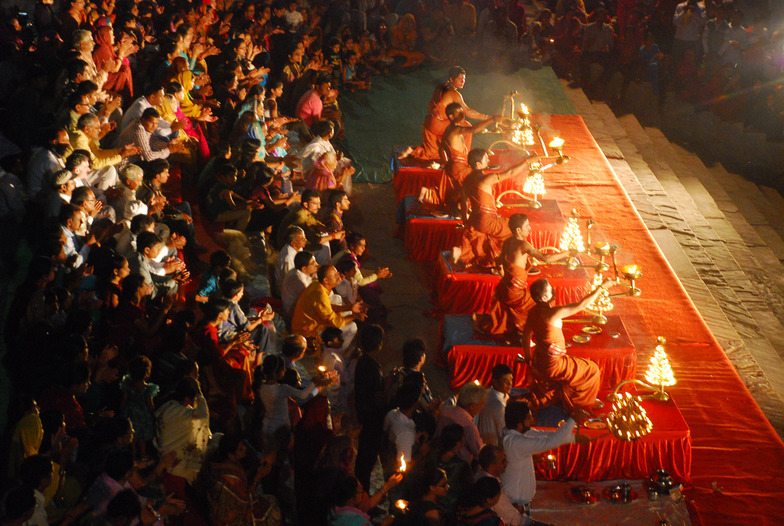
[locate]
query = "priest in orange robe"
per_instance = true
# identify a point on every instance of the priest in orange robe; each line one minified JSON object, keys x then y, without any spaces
{"x":556,"y":376}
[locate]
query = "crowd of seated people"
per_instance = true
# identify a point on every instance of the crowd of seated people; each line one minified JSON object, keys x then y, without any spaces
{"x":157,"y":378}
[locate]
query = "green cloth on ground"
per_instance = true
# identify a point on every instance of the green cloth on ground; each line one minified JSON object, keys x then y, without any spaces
{"x":392,"y":112}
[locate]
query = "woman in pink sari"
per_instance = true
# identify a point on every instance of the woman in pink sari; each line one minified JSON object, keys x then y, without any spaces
{"x":118,"y":69}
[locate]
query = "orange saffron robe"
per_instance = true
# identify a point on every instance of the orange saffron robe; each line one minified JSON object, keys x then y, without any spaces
{"x":554,"y":374}
{"x":486,"y":231}
{"x":511,"y":303}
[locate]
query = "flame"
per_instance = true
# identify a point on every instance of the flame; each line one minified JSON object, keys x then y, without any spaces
{"x":556,"y":143}
{"x":401,"y":504}
{"x":524,"y":108}
{"x":629,"y":269}
{"x":322,"y":368}
{"x":402,"y":463}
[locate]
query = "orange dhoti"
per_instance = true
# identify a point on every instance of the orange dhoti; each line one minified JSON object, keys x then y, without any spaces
{"x":556,"y":376}
{"x":511,"y":303}
{"x":432,"y":131}
{"x":484,"y":236}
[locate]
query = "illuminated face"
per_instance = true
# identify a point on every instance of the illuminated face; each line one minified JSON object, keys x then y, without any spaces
{"x":124,"y":271}
{"x":525,"y":229}
{"x":150,"y":124}
{"x":300,"y":241}
{"x":312,"y":267}
{"x":332,"y":278}
{"x":313,"y":206}
{"x":459,"y":81}
{"x":359,"y":247}
{"x":163,"y":177}
{"x":504,"y":384}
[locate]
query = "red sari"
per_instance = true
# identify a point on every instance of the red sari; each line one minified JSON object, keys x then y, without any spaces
{"x":554,"y":374}
{"x":121,"y":81}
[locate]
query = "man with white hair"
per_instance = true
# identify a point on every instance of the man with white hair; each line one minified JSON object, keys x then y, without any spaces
{"x":125,"y":204}
{"x":470,"y":401}
{"x":103,"y":161}
{"x":295,"y":242}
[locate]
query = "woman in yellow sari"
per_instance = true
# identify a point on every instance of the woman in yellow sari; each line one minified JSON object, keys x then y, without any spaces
{"x":179,"y":72}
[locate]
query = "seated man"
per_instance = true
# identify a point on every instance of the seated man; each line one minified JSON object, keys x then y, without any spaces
{"x":46,"y":161}
{"x":262,"y":337}
{"x":556,"y":376}
{"x":124,"y":201}
{"x":148,"y":147}
{"x":511,"y":300}
{"x":314,"y":313}
{"x":485,"y":230}
{"x":311,"y":105}
{"x":164,"y":281}
{"x":296,"y":241}
{"x":315,"y":231}
{"x":296,"y":281}
{"x":77,"y":248}
{"x":455,"y":145}
{"x":59,"y":195}
{"x":103,"y":162}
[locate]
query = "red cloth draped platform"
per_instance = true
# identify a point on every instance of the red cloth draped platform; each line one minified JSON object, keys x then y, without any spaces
{"x":467,"y":293}
{"x":733,"y":447}
{"x":616,"y":357}
{"x":426,"y":237}
{"x":409,"y":180}
{"x":669,"y":446}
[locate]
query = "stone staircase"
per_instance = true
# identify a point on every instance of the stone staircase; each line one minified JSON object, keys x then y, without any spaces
{"x":723,"y":236}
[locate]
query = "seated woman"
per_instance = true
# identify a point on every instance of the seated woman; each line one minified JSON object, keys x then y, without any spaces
{"x":113,"y":58}
{"x":323,"y":176}
{"x":368,"y":288}
{"x":404,"y":39}
{"x":556,"y":376}
{"x":170,"y":111}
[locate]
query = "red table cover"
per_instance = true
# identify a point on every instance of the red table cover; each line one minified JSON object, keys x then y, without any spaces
{"x":468,"y":293}
{"x":668,"y":446}
{"x":409,"y":180}
{"x":426,"y":237}
{"x":616,"y":357}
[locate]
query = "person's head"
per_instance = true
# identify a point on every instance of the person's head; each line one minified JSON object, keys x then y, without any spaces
{"x":414,"y":353}
{"x":131,"y":176}
{"x":485,"y":493}
{"x":408,"y":396}
{"x":311,"y":201}
{"x":454,"y":112}
{"x":356,"y":243}
{"x":328,"y":276}
{"x":71,"y":217}
{"x":520,"y":226}
{"x":149,"y":119}
{"x":346,"y":267}
{"x":186,"y":391}
{"x":272,"y":368}
{"x":324,"y":129}
{"x":451,"y":438}
{"x":457,"y":76}
{"x":154,"y":94}
{"x":142,"y":223}
{"x":216,"y":308}
{"x":140,"y":368}
{"x":305,"y":262}
{"x":371,"y":338}
{"x":502,"y":378}
{"x":323,"y":85}
{"x":432,"y":480}
{"x":148,"y":244}
{"x":57,"y":140}
{"x":232,"y":446}
{"x":219,"y":260}
{"x":90,"y":125}
{"x":294,"y":347}
{"x":78,"y":163}
{"x":157,"y":171}
{"x":118,"y":266}
{"x":332,"y":337}
{"x":492,"y":459}
{"x":19,"y":504}
{"x":347,"y":491}
{"x":124,"y":508}
{"x":120,"y":431}
{"x":478,"y":159}
{"x":338,"y":200}
{"x":83,"y":41}
{"x":119,"y":464}
{"x":471,"y":397}
{"x":134,"y":288}
{"x":518,"y":416}
{"x":84,"y":198}
{"x":541,"y":291}
{"x":76,"y":69}
{"x":296,"y":237}
{"x":232,"y":289}
{"x":36,"y":472}
{"x":63,"y":182}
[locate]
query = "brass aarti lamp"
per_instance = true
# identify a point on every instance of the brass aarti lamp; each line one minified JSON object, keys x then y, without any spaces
{"x":627,"y":419}
{"x":603,"y":303}
{"x":659,"y":375}
{"x":632,"y":273}
{"x":602,"y":250}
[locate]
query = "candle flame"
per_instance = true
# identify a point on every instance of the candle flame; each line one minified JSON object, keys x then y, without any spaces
{"x":402,"y":463}
{"x":556,"y":143}
{"x":629,"y":269}
{"x":524,"y":108}
{"x":401,"y":504}
{"x":322,"y":368}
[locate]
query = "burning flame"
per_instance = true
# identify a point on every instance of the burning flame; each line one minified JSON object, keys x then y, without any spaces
{"x":556,"y":143}
{"x":402,"y":463}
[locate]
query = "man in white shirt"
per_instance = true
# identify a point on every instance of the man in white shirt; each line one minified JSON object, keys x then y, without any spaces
{"x":152,"y":98}
{"x":46,"y":161}
{"x":295,"y":242}
{"x":520,"y":443}
{"x":296,"y":281}
{"x":36,"y":472}
{"x":490,"y":420}
{"x":400,"y":428}
{"x":76,"y":249}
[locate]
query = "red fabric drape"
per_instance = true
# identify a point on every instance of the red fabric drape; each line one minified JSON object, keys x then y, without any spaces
{"x":616,"y":357}
{"x":467,"y":293}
